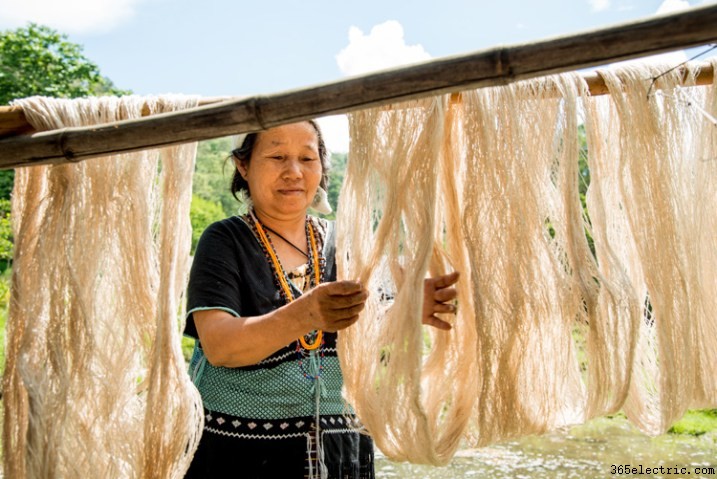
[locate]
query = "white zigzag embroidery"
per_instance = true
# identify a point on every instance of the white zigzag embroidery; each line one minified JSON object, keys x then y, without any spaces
{"x":339,"y":431}
{"x":286,"y":355}
{"x":278,"y":358}
{"x":256,"y":436}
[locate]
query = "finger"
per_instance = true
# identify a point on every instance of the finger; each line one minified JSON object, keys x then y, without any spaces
{"x":347,"y":301}
{"x":444,"y":308}
{"x":446,"y":280}
{"x":349,"y":312}
{"x":341,"y":324}
{"x":344,"y":288}
{"x":445,"y":294}
{"x":437,"y":323}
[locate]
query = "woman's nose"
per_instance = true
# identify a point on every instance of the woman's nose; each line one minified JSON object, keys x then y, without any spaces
{"x":292,"y":168}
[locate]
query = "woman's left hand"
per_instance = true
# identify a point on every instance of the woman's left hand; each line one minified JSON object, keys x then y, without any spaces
{"x":437,"y":296}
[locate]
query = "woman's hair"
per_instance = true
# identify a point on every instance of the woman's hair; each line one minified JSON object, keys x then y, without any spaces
{"x":244,"y":151}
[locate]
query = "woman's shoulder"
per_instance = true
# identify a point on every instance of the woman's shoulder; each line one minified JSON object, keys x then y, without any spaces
{"x":324,"y":227}
{"x":227,"y":232}
{"x":231,"y":226}
{"x":327,"y":233}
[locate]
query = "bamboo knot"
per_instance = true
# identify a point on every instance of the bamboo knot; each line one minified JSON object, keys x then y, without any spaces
{"x":68,"y":153}
{"x":256,"y":110}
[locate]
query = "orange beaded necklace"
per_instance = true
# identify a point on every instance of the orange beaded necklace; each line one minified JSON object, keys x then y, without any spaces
{"x":282,"y":277}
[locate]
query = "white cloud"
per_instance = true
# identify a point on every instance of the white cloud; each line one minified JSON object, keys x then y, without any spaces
{"x":335,"y":129}
{"x":669,"y":59}
{"x":599,"y":5}
{"x":68,"y":16}
{"x":383,"y":48}
{"x":625,"y":8}
{"x":670,"y":6}
{"x":676,"y":57}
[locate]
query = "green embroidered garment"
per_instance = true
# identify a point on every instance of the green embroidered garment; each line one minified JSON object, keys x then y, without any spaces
{"x":274,"y":401}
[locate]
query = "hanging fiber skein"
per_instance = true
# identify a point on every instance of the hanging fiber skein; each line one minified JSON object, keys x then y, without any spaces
{"x":95,"y":383}
{"x":567,"y":311}
{"x":392,"y":183}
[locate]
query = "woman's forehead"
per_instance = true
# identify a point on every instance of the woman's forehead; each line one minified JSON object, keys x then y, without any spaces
{"x":302,"y":134}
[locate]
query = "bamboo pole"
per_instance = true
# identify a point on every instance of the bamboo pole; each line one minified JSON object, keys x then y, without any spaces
{"x":13,"y":121}
{"x":495,"y":66}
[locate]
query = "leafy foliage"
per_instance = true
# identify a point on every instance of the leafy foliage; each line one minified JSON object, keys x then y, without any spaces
{"x":584,"y":181}
{"x":7,"y":179}
{"x":37,"y":60}
{"x":202,"y":213}
{"x":336,"y":180}
{"x":213,"y":174}
{"x":5,"y":235}
{"x":5,"y":278}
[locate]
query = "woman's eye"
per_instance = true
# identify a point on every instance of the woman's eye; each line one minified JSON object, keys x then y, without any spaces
{"x":277,"y":157}
{"x":309,"y":158}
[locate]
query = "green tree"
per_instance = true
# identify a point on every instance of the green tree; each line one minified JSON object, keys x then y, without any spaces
{"x":202,"y":213}
{"x":7,"y":178}
{"x":336,"y":180}
{"x":213,"y":174}
{"x":584,"y":180}
{"x":5,"y":235}
{"x":37,"y":60}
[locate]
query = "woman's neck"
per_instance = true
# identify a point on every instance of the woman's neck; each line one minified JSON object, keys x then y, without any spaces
{"x":290,"y":227}
{"x":292,"y":247}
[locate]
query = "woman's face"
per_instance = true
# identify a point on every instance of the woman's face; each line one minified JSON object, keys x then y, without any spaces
{"x":284,"y":170}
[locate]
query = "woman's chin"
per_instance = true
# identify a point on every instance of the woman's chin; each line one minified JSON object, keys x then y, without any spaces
{"x":291,"y":208}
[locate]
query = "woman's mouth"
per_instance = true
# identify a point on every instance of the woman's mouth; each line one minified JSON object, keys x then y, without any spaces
{"x":291,"y":191}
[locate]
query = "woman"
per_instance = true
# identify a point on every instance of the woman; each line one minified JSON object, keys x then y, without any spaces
{"x":265,"y":306}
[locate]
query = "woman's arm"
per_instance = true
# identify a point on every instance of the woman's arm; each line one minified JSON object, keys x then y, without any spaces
{"x":231,"y":341}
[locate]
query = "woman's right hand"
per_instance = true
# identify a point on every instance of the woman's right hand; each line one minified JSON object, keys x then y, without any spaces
{"x":332,"y":306}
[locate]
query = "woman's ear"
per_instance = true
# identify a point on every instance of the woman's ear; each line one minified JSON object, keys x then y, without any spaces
{"x":241,"y":166}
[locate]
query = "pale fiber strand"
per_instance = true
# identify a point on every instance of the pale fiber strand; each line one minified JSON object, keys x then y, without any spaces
{"x":663,"y":177}
{"x":393,"y":259}
{"x":611,"y":342}
{"x":503,"y":180}
{"x":526,"y":299}
{"x":97,"y":386}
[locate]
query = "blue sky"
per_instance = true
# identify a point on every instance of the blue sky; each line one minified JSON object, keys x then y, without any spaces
{"x":239,"y":47}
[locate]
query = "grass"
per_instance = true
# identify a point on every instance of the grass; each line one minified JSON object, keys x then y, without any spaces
{"x":696,"y":422}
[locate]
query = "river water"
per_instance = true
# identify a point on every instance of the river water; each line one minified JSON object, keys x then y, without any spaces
{"x":584,"y":452}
